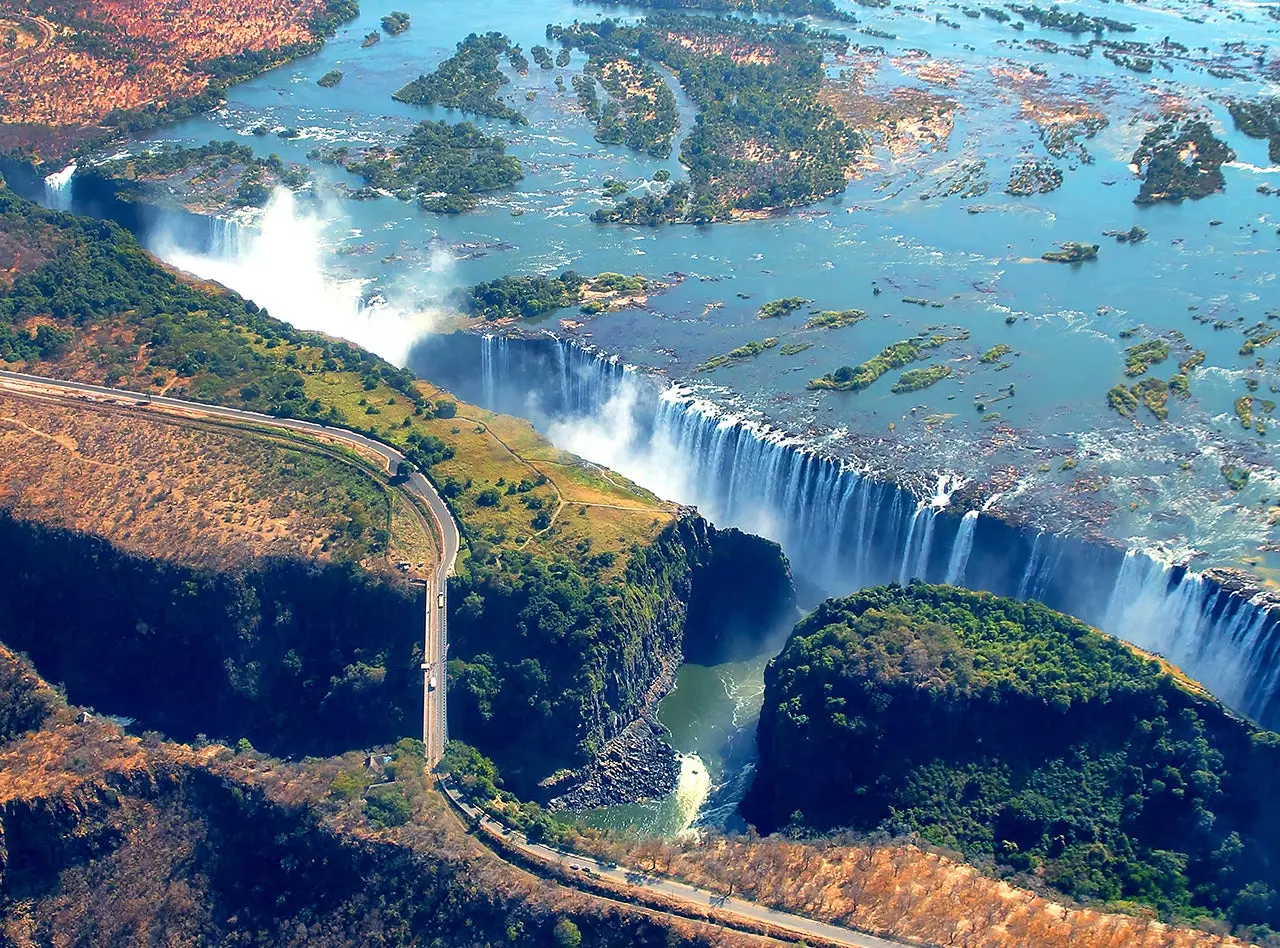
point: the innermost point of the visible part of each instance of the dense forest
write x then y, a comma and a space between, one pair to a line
468, 80
525, 297
445, 167
297, 658
761, 139
1025, 740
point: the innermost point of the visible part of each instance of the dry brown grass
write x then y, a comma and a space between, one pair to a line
179, 489
57, 82
902, 891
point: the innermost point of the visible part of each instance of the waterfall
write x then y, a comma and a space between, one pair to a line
961, 549
1225, 641
225, 237
843, 530
57, 188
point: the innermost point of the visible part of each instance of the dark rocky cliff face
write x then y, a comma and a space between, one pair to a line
297, 657
536, 656
302, 658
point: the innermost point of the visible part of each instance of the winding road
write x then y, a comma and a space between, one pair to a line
435, 628
657, 892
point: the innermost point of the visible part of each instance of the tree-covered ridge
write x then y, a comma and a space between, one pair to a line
761, 140
1026, 740
444, 167
468, 80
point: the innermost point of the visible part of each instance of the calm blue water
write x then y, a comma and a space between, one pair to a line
1143, 481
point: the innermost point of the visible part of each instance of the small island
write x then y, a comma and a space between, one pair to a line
444, 167
1072, 252
395, 22
783, 307
330, 79
525, 297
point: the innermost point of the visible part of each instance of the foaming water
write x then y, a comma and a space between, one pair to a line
280, 261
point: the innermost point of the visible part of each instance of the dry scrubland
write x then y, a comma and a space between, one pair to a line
200, 493
79, 60
898, 890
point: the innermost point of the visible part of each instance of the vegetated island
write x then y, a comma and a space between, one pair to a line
99, 72
1180, 160
204, 179
762, 141
834, 318
330, 79
826, 9
849, 378
741, 354
1072, 252
782, 307
444, 167
1028, 742
525, 297
1259, 119
469, 80
395, 22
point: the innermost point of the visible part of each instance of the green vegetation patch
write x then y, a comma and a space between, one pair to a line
794, 348
834, 318
641, 109
1180, 161
740, 354
995, 353
220, 170
1025, 740
1072, 252
524, 297
913, 380
783, 307
468, 80
330, 79
1139, 358
763, 140
1259, 119
444, 167
1258, 336
846, 378
1237, 478
826, 9
395, 22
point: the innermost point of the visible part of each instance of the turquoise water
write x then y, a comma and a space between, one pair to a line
711, 716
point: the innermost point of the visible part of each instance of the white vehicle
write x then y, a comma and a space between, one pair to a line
431, 683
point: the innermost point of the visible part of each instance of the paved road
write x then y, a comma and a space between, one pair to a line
435, 631
630, 878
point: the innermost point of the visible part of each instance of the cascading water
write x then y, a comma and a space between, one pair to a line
57, 188
961, 549
843, 530
279, 262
